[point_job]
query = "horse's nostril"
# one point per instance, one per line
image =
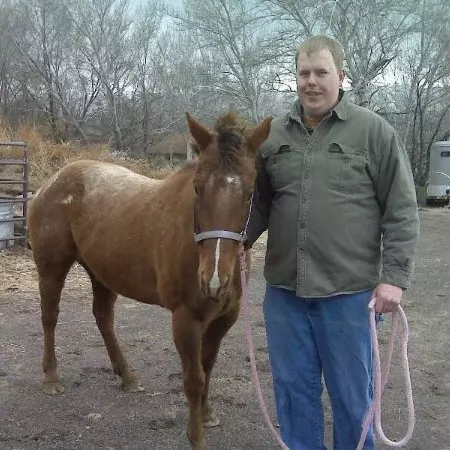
(204, 287)
(226, 281)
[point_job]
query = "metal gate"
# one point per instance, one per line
(22, 179)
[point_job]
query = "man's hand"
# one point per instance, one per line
(388, 297)
(246, 245)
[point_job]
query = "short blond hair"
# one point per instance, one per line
(316, 43)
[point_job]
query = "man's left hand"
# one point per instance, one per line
(388, 297)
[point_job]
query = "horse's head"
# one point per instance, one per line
(223, 183)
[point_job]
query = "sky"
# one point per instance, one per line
(167, 2)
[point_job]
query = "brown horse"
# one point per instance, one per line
(172, 243)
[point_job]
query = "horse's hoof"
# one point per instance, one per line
(211, 420)
(132, 386)
(52, 387)
(199, 445)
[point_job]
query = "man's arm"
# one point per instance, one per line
(399, 224)
(262, 200)
(400, 220)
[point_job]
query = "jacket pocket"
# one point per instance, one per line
(279, 165)
(347, 168)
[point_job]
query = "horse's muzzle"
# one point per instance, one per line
(214, 289)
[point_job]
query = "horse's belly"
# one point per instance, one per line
(125, 277)
(121, 260)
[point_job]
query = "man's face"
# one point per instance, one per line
(318, 82)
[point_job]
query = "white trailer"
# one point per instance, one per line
(438, 185)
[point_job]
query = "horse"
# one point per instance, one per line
(173, 242)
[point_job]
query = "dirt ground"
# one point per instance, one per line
(94, 413)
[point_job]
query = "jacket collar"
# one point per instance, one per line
(340, 110)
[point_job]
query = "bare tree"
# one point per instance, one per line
(428, 101)
(48, 67)
(371, 33)
(42, 48)
(188, 78)
(145, 34)
(236, 35)
(103, 37)
(6, 55)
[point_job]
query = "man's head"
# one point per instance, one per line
(319, 62)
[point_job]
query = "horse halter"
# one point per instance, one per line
(200, 236)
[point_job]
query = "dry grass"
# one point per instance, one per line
(17, 269)
(18, 273)
(47, 157)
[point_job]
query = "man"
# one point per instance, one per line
(336, 194)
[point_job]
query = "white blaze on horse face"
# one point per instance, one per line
(233, 187)
(235, 184)
(215, 280)
(233, 179)
(68, 200)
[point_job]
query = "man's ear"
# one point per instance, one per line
(341, 77)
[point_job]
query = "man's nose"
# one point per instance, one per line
(311, 79)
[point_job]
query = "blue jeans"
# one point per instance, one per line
(308, 337)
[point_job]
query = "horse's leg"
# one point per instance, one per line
(54, 253)
(187, 331)
(210, 348)
(103, 309)
(51, 282)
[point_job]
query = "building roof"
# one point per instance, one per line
(176, 143)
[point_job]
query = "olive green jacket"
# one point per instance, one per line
(339, 204)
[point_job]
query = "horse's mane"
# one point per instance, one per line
(230, 139)
(230, 131)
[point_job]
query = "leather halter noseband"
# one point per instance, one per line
(200, 236)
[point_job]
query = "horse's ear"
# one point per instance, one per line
(192, 145)
(259, 134)
(200, 134)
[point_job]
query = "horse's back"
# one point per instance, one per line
(82, 195)
(86, 181)
(92, 178)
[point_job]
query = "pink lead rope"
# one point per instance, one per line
(380, 381)
(251, 349)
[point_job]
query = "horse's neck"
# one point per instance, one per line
(178, 195)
